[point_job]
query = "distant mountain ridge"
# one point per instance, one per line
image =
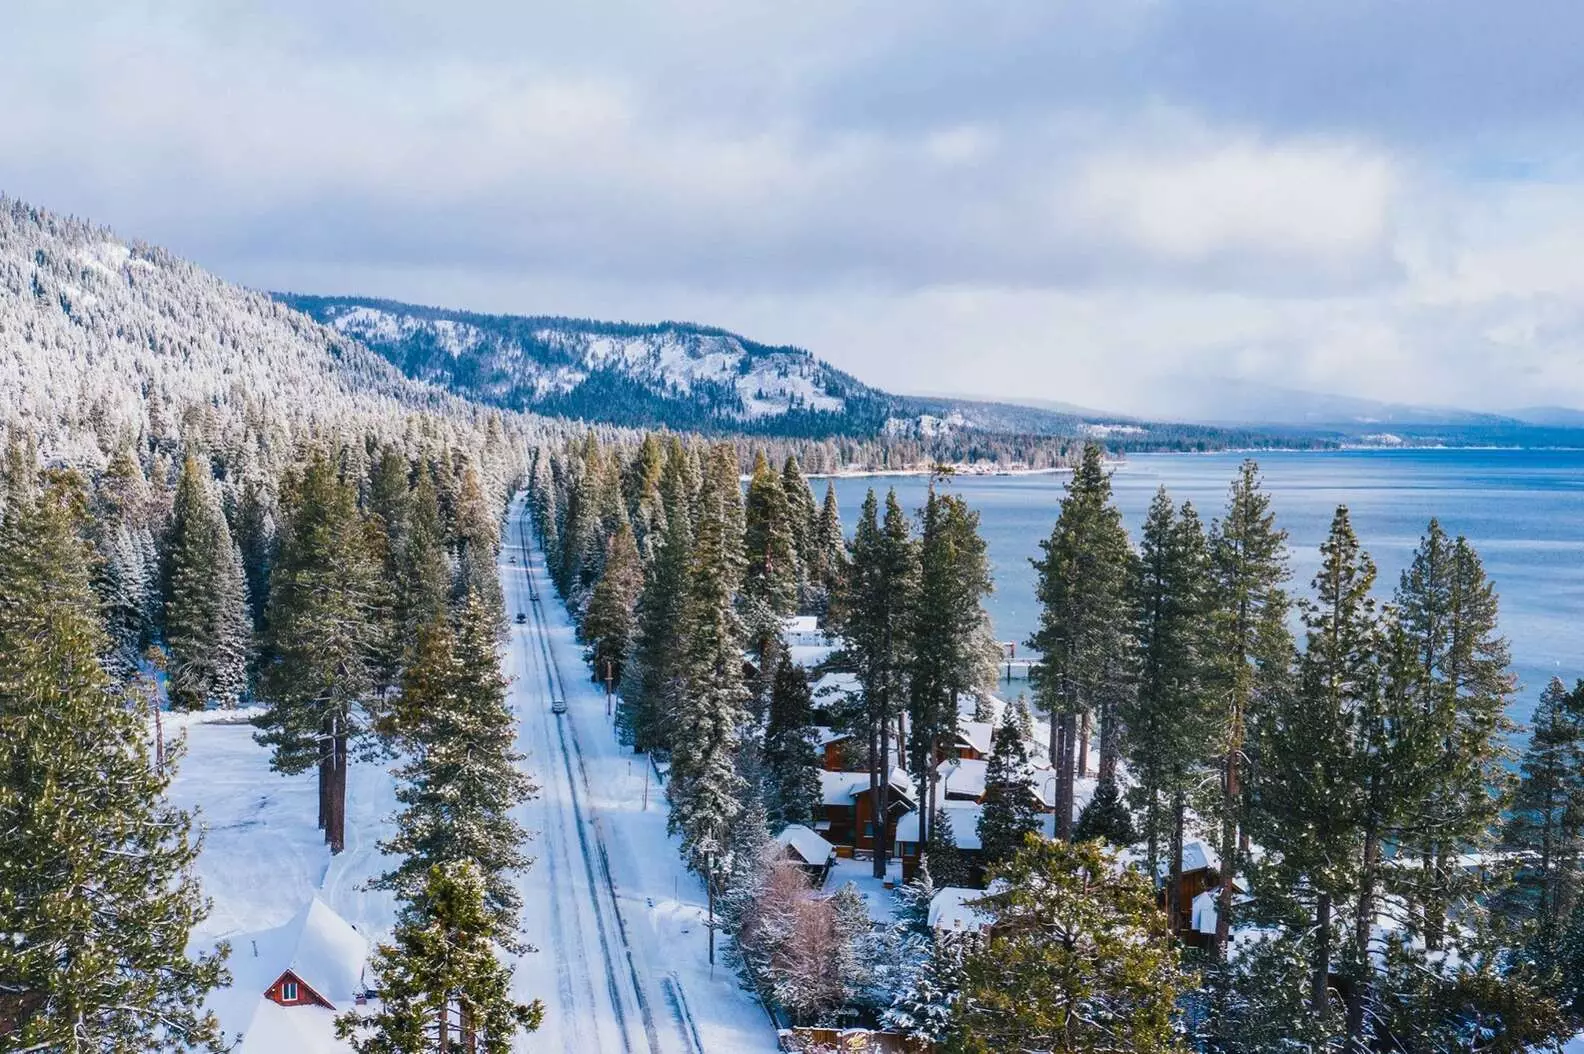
(688, 376)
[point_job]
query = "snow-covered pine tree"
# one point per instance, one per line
(1011, 812)
(952, 652)
(791, 765)
(803, 515)
(656, 665)
(946, 861)
(424, 583)
(608, 624)
(924, 1005)
(465, 777)
(442, 985)
(315, 680)
(476, 537)
(97, 894)
(827, 565)
(207, 627)
(882, 591)
(1079, 959)
(705, 787)
(770, 545)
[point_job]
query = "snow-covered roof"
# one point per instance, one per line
(1197, 856)
(809, 846)
(977, 734)
(323, 951)
(329, 954)
(950, 909)
(824, 735)
(963, 778)
(964, 816)
(1206, 907)
(303, 1029)
(800, 624)
(838, 788)
(834, 686)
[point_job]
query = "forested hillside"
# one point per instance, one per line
(104, 341)
(690, 377)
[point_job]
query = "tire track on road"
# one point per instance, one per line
(686, 1031)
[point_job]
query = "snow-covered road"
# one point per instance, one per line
(617, 921)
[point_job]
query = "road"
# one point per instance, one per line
(616, 922)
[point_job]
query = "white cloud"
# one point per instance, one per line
(1296, 201)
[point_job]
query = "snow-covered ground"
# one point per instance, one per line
(617, 922)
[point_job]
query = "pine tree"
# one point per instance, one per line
(655, 668)
(1310, 791)
(609, 624)
(791, 765)
(465, 778)
(386, 530)
(424, 583)
(1078, 959)
(1463, 683)
(255, 537)
(1547, 820)
(946, 862)
(1249, 562)
(1011, 812)
(770, 545)
(206, 623)
(924, 1006)
(442, 985)
(1169, 720)
(1106, 818)
(883, 591)
(1083, 588)
(705, 787)
(126, 573)
(952, 651)
(315, 680)
(827, 564)
(477, 544)
(802, 519)
(97, 895)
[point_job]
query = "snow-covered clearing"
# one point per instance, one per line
(617, 922)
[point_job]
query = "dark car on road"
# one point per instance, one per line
(558, 706)
(521, 618)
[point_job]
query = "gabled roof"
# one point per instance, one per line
(328, 954)
(964, 816)
(949, 909)
(808, 846)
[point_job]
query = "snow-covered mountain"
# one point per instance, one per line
(680, 374)
(103, 340)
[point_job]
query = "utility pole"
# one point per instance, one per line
(608, 676)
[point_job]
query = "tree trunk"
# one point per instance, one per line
(336, 834)
(1363, 925)
(1110, 743)
(1229, 835)
(1064, 783)
(1083, 745)
(1322, 955)
(882, 795)
(1174, 877)
(444, 1044)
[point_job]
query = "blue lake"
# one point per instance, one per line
(1523, 511)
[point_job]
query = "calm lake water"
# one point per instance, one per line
(1523, 510)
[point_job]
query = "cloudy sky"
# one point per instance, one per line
(1080, 201)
